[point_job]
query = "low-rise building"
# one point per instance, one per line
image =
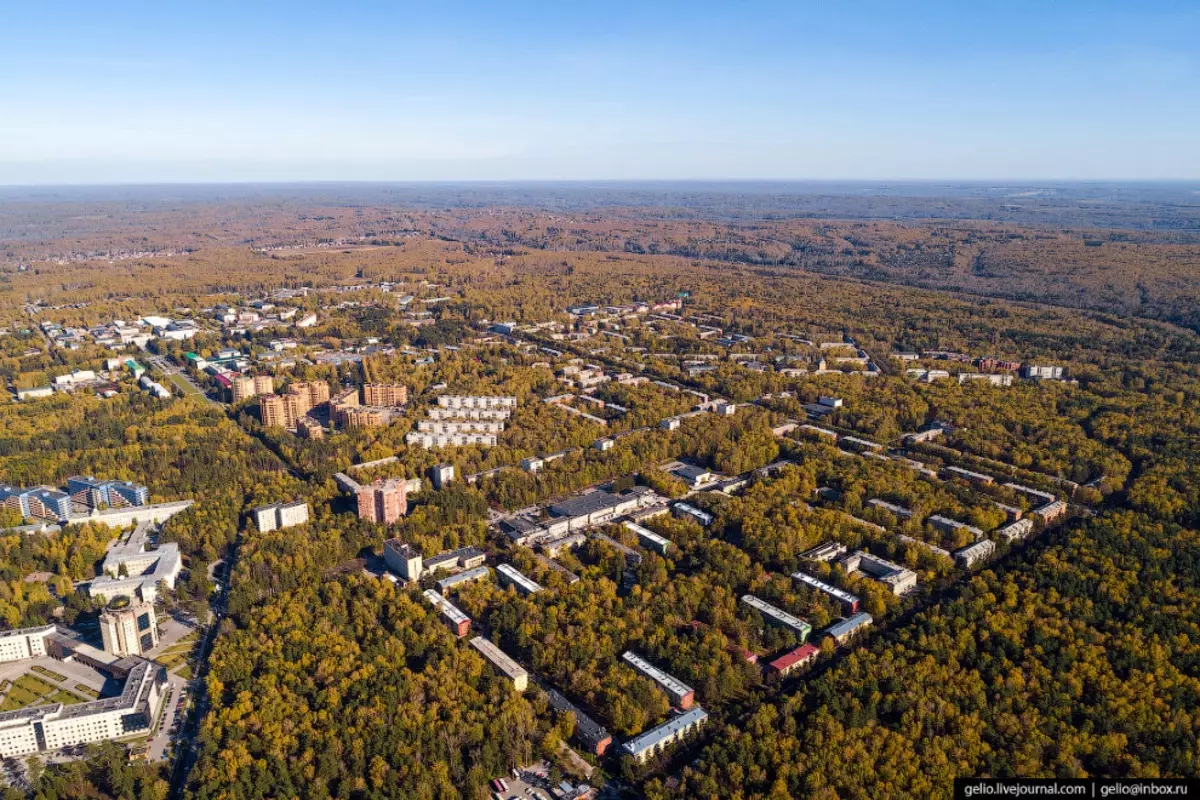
(590, 733)
(645, 746)
(459, 622)
(793, 660)
(511, 576)
(458, 579)
(403, 558)
(680, 693)
(897, 578)
(280, 515)
(843, 631)
(689, 510)
(778, 616)
(899, 512)
(461, 558)
(1051, 511)
(849, 601)
(553, 546)
(825, 552)
(511, 669)
(648, 538)
(974, 554)
(968, 475)
(947, 525)
(1016, 531)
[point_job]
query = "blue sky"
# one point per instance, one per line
(253, 91)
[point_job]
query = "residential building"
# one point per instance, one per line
(341, 403)
(994, 380)
(937, 551)
(825, 552)
(645, 746)
(899, 579)
(899, 512)
(264, 384)
(590, 733)
(309, 428)
(793, 660)
(974, 554)
(1036, 372)
(241, 388)
(462, 558)
(1017, 530)
(648, 538)
(459, 622)
(778, 616)
(843, 631)
(38, 501)
(383, 501)
(511, 669)
(680, 693)
(403, 558)
(364, 417)
(1051, 511)
(947, 525)
(441, 475)
(469, 402)
(128, 628)
(385, 394)
(1036, 495)
(848, 601)
(511, 576)
(280, 515)
(467, 576)
(95, 493)
(553, 546)
(968, 476)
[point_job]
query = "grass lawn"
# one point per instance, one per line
(65, 697)
(184, 386)
(87, 691)
(49, 673)
(185, 672)
(35, 685)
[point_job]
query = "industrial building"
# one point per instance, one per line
(680, 693)
(848, 601)
(592, 734)
(899, 579)
(280, 515)
(648, 538)
(843, 631)
(511, 669)
(511, 576)
(599, 507)
(644, 747)
(778, 616)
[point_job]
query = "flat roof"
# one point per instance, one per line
(817, 583)
(517, 577)
(497, 656)
(590, 503)
(671, 684)
(647, 534)
(777, 614)
(849, 624)
(463, 577)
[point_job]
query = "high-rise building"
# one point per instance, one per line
(128, 628)
(341, 403)
(363, 417)
(385, 394)
(242, 388)
(264, 384)
(383, 501)
(314, 392)
(274, 411)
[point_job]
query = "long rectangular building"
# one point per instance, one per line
(642, 748)
(511, 669)
(842, 631)
(511, 576)
(778, 616)
(459, 622)
(848, 600)
(594, 735)
(649, 539)
(471, 575)
(680, 693)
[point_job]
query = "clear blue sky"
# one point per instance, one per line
(220, 91)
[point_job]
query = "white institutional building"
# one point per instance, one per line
(55, 726)
(128, 628)
(144, 569)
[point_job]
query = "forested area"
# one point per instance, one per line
(1074, 653)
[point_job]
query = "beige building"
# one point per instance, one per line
(242, 388)
(385, 394)
(128, 628)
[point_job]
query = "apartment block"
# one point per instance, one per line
(680, 693)
(511, 669)
(280, 515)
(778, 616)
(645, 746)
(385, 394)
(383, 501)
(974, 554)
(899, 579)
